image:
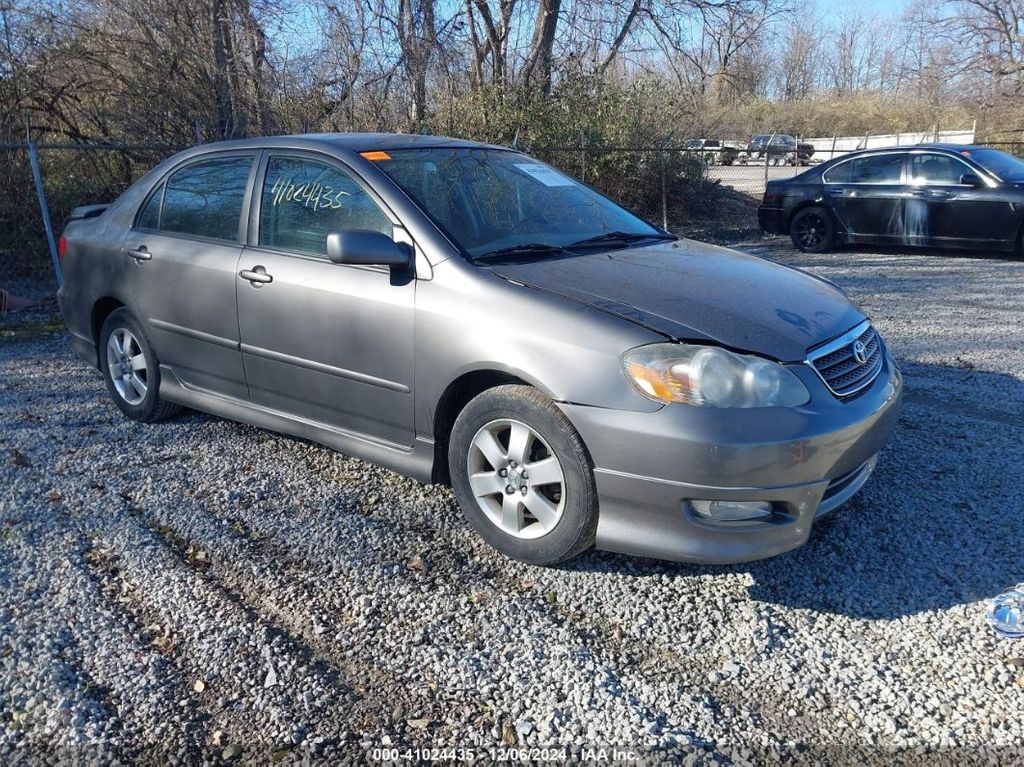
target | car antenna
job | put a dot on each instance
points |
(515, 139)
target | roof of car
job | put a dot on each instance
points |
(358, 142)
(911, 147)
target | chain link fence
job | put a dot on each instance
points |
(710, 194)
(72, 175)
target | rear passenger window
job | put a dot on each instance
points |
(305, 200)
(203, 199)
(879, 169)
(884, 169)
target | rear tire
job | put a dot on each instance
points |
(131, 369)
(523, 477)
(812, 230)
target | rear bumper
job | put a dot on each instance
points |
(804, 461)
(76, 312)
(772, 220)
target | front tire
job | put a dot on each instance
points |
(523, 476)
(812, 230)
(131, 369)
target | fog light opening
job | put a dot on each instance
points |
(732, 511)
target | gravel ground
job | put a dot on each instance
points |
(204, 591)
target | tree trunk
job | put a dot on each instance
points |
(537, 73)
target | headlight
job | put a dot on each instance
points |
(711, 376)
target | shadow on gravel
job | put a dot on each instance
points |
(940, 524)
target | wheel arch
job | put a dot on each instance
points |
(101, 309)
(456, 395)
(814, 203)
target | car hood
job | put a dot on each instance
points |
(691, 291)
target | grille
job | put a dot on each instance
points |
(841, 371)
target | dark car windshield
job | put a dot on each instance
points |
(1003, 166)
(494, 200)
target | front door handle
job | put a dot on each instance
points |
(257, 276)
(932, 194)
(140, 253)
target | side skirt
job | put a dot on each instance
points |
(415, 462)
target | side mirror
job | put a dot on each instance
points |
(367, 248)
(971, 179)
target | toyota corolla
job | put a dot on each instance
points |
(463, 313)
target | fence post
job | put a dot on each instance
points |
(37, 176)
(767, 156)
(664, 192)
(583, 158)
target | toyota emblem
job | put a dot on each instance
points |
(860, 352)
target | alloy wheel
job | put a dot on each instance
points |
(809, 230)
(126, 365)
(516, 478)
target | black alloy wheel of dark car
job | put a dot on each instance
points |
(812, 231)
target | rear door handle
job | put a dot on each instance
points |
(140, 253)
(257, 276)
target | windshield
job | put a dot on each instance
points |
(492, 200)
(1003, 166)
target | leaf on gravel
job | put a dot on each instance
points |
(217, 738)
(552, 597)
(1015, 662)
(199, 685)
(508, 735)
(197, 557)
(55, 496)
(279, 755)
(397, 713)
(419, 724)
(163, 643)
(231, 752)
(416, 563)
(18, 458)
(526, 585)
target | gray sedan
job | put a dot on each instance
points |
(463, 313)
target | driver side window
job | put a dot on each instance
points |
(304, 200)
(928, 169)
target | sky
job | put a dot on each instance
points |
(300, 31)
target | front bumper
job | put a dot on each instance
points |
(805, 461)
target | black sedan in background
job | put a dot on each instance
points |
(780, 149)
(935, 195)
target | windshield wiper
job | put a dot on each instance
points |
(621, 237)
(516, 250)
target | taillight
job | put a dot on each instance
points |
(772, 199)
(62, 246)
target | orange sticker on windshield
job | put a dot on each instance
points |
(374, 156)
